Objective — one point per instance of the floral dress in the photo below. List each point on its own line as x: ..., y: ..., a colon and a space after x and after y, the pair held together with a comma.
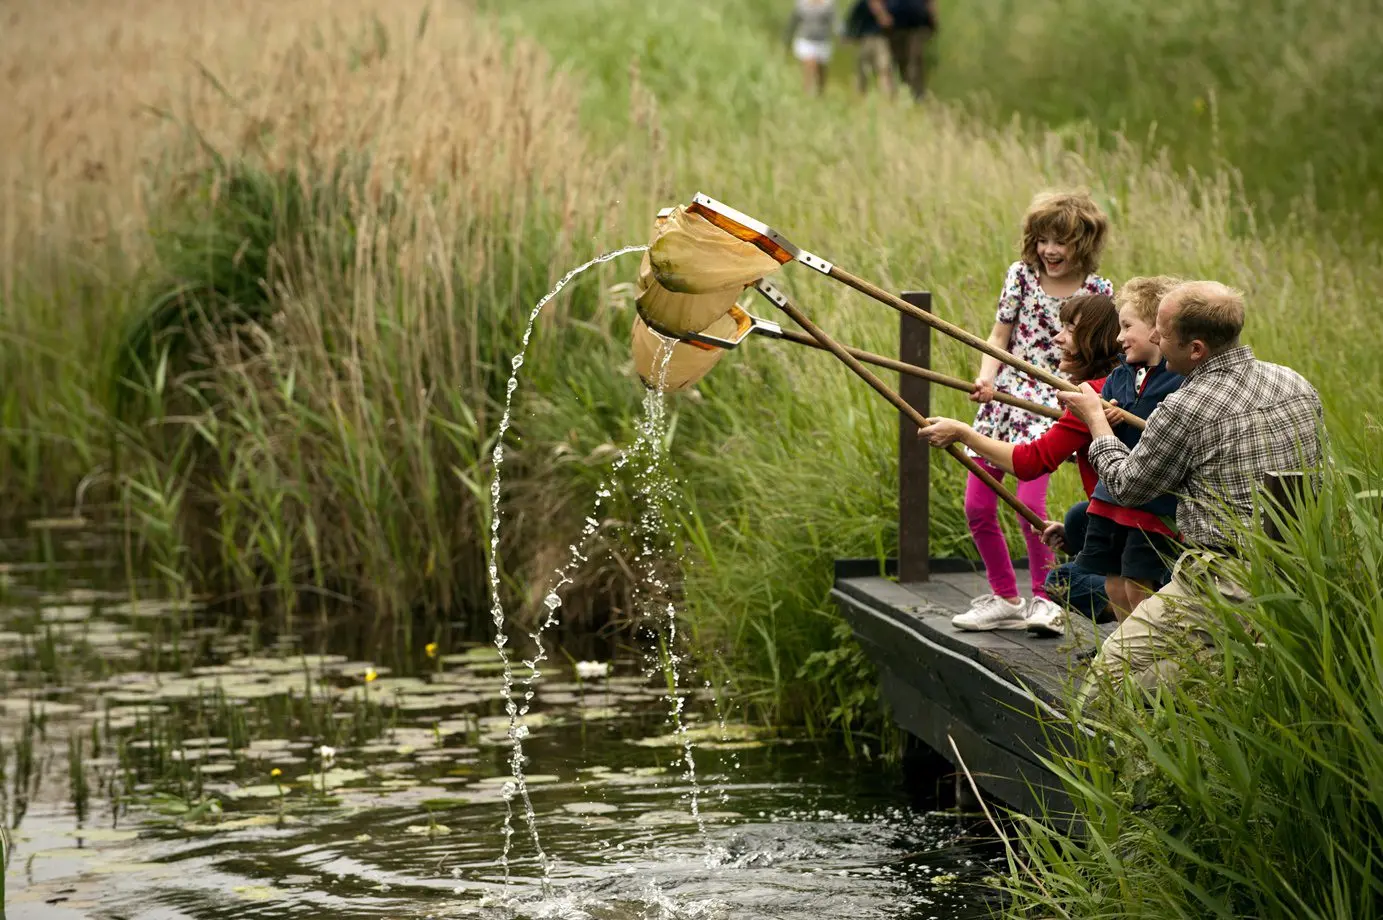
x: 1036, y: 319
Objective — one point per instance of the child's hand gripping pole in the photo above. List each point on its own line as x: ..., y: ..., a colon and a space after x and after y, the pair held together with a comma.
x: 917, y: 418
x: 774, y: 244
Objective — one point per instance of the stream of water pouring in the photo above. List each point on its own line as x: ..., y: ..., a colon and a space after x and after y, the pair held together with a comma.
x: 654, y: 489
x: 517, y: 731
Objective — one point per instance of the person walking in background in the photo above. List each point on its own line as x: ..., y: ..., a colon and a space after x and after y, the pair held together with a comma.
x: 812, y: 30
x: 913, y: 24
x: 892, y: 36
x: 867, y: 24
x: 1063, y: 236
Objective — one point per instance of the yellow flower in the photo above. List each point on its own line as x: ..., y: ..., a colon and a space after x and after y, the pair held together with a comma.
x: 370, y: 675
x: 276, y: 772
x: 1198, y: 104
x: 431, y: 649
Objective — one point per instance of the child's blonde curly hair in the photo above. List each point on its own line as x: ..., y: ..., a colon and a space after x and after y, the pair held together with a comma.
x: 1069, y: 217
x: 1144, y: 293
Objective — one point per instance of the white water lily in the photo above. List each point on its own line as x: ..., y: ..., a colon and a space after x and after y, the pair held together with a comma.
x: 327, y: 753
x: 592, y: 670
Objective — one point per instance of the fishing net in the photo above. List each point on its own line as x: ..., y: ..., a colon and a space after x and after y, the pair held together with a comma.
x: 695, y: 271
x: 688, y: 282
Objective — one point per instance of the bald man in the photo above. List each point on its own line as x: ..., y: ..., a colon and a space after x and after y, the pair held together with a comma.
x: 1234, y: 419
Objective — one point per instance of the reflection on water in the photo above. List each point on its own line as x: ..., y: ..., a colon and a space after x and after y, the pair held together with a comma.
x: 253, y: 783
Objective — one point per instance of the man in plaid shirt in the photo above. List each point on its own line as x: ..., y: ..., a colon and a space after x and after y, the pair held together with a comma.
x: 1234, y: 419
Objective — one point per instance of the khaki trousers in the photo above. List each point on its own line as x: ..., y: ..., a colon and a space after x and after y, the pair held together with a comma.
x: 1148, y: 647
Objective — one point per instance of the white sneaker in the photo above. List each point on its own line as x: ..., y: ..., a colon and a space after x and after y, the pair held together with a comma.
x: 1046, y: 617
x: 989, y: 611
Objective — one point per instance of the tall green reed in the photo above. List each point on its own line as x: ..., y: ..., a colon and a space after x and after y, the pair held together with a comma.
x: 1251, y: 787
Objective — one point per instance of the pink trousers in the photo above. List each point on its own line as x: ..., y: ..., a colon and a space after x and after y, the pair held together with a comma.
x: 982, y: 513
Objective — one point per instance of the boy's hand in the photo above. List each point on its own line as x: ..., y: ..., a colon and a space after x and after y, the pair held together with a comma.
x: 1054, y: 535
x: 1112, y: 414
x: 984, y: 390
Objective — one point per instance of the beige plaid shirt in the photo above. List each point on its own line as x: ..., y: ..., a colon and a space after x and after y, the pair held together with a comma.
x: 1209, y: 443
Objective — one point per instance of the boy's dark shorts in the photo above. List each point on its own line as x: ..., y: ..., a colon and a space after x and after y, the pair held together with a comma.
x: 1116, y: 549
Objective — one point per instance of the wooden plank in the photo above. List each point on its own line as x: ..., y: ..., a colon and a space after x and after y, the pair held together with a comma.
x: 981, y: 693
x: 998, y: 697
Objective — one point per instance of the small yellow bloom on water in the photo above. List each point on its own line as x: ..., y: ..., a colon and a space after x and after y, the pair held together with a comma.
x: 370, y: 675
x: 276, y: 772
x: 431, y: 649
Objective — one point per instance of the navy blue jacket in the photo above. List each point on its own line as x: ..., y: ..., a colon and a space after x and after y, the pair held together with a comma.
x: 1122, y: 385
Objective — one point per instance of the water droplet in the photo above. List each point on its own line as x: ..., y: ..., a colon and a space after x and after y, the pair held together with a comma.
x: 552, y: 601
x: 507, y: 792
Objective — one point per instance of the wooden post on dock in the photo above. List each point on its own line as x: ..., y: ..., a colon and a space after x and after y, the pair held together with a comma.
x: 914, y: 455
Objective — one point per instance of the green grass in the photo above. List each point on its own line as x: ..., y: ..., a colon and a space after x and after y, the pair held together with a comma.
x: 1288, y: 93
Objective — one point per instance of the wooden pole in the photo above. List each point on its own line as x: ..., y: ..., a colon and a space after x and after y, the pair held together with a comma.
x: 969, y: 338
x: 914, y: 457
x: 918, y: 419
x: 924, y: 373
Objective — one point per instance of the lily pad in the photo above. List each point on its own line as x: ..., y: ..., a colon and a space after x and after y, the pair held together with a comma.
x: 590, y: 808
x: 148, y: 609
x: 431, y: 830
x: 537, y: 779
x: 236, y: 824
x: 263, y: 791
x: 336, y: 776
x: 274, y: 744
x: 66, y: 614
x: 472, y: 655
x: 445, y: 802
x: 215, y: 769
x: 704, y: 733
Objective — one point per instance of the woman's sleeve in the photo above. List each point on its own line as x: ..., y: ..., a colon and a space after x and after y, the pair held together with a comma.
x: 1011, y: 297
x: 1047, y: 453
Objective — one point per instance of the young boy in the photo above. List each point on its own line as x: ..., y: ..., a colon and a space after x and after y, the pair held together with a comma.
x: 1073, y: 587
x: 1133, y: 547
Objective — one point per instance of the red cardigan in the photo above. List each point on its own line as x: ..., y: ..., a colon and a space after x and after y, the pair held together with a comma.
x: 1046, y: 454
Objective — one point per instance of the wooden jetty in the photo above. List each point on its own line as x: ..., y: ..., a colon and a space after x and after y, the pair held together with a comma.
x: 990, y: 703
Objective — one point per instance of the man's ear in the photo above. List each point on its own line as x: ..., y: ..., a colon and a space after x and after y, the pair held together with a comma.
x: 1199, y: 350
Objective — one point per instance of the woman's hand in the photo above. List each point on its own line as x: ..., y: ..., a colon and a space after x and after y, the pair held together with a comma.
x: 943, y: 432
x: 984, y: 390
x: 1054, y: 535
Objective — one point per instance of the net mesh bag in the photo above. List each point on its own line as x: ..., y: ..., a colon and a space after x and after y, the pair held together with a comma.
x: 693, y: 272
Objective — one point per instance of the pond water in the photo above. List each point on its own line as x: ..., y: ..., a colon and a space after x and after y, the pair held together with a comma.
x: 158, y: 765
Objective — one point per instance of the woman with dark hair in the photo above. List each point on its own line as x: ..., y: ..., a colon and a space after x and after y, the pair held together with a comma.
x: 1089, y: 343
